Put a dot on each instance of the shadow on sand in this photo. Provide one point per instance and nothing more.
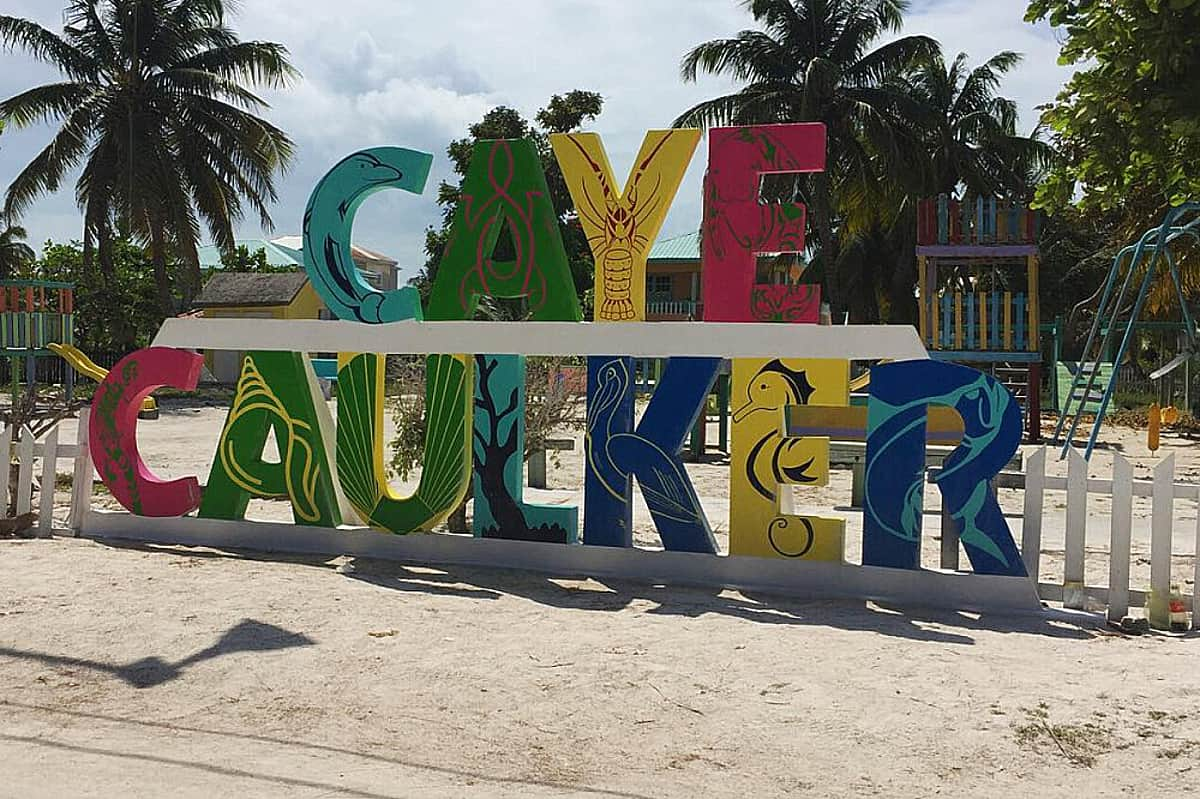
(147, 672)
(577, 592)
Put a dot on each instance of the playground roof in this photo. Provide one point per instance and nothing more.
(277, 255)
(678, 248)
(245, 289)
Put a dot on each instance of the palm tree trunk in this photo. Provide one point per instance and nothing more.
(192, 278)
(158, 256)
(822, 223)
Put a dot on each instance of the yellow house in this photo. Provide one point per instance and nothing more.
(254, 295)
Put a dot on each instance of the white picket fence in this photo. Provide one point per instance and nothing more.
(1122, 488)
(1073, 592)
(48, 451)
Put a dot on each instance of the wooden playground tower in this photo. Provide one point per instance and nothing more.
(33, 315)
(977, 265)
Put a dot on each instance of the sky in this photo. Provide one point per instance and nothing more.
(415, 74)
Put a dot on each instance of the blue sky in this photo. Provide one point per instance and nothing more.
(415, 74)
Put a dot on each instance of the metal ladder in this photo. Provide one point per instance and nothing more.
(1152, 250)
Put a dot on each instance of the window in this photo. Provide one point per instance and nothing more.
(658, 287)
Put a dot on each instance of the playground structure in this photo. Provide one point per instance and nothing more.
(34, 314)
(1114, 313)
(977, 271)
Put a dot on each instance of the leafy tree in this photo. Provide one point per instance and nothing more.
(812, 61)
(118, 315)
(1128, 121)
(242, 260)
(563, 114)
(15, 254)
(1127, 125)
(156, 106)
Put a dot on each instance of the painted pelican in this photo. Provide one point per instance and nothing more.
(665, 485)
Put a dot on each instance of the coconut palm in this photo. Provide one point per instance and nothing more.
(812, 61)
(154, 105)
(15, 254)
(965, 137)
(971, 131)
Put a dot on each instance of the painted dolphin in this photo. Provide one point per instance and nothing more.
(329, 221)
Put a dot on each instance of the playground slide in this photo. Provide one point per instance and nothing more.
(860, 382)
(81, 363)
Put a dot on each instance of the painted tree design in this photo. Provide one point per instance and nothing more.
(492, 455)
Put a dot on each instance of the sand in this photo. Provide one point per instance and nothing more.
(146, 671)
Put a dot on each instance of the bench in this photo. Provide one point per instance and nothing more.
(852, 455)
(537, 460)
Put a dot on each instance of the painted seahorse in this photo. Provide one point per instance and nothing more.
(329, 221)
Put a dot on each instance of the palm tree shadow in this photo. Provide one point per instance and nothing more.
(246, 636)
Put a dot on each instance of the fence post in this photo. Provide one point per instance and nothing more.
(1031, 524)
(950, 538)
(1161, 507)
(537, 468)
(81, 481)
(6, 459)
(25, 472)
(1118, 547)
(1196, 576)
(49, 473)
(1073, 576)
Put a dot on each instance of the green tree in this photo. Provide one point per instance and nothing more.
(156, 107)
(812, 61)
(1128, 121)
(242, 260)
(1127, 126)
(117, 315)
(563, 114)
(970, 131)
(15, 254)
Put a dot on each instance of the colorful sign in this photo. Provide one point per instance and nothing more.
(475, 400)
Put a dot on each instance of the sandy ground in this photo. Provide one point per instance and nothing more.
(145, 671)
(141, 672)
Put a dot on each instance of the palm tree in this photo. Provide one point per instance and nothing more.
(965, 137)
(154, 105)
(812, 62)
(15, 254)
(971, 131)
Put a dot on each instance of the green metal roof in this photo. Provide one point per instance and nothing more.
(678, 248)
(277, 255)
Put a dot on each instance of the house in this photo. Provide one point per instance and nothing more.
(254, 295)
(287, 251)
(277, 255)
(673, 280)
(377, 269)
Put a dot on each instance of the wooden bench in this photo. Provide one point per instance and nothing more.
(852, 455)
(537, 461)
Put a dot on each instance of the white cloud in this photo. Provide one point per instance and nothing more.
(415, 74)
